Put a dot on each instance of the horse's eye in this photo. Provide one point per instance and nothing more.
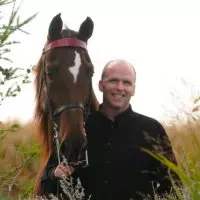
(91, 74)
(51, 73)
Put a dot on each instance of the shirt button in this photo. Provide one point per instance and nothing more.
(109, 144)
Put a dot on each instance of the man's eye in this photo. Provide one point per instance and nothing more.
(127, 83)
(113, 81)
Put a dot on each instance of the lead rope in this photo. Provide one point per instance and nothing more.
(88, 110)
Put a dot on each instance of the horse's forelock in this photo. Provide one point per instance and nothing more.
(68, 33)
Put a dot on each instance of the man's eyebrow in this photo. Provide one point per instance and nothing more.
(110, 78)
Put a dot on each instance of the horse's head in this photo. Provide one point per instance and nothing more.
(64, 91)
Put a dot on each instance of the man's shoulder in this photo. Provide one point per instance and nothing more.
(144, 118)
(148, 125)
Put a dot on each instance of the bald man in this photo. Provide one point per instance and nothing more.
(118, 168)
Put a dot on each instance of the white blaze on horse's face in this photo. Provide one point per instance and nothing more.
(75, 68)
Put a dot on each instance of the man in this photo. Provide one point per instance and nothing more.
(118, 167)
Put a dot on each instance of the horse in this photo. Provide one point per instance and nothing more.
(64, 92)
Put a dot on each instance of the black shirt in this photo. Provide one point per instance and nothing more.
(118, 168)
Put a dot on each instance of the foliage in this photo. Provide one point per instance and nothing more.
(184, 145)
(11, 80)
(12, 128)
(72, 189)
(19, 163)
(188, 168)
(14, 77)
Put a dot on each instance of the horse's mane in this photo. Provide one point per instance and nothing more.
(42, 120)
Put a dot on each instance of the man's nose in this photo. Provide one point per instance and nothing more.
(120, 85)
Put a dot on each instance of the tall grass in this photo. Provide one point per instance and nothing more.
(19, 156)
(185, 139)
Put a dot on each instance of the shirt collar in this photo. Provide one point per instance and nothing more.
(119, 116)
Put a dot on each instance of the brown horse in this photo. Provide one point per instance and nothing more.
(64, 93)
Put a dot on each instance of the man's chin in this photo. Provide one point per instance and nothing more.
(117, 106)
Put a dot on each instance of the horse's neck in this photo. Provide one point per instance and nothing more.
(94, 103)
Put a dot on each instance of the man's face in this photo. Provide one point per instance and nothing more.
(118, 85)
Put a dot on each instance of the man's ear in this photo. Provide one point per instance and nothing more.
(101, 85)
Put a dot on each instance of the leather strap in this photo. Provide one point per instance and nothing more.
(63, 42)
(68, 106)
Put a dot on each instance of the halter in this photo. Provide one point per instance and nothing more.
(67, 42)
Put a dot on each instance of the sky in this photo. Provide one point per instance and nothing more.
(161, 38)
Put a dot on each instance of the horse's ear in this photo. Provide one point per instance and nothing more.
(86, 29)
(55, 28)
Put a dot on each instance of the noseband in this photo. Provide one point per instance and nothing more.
(67, 42)
(68, 106)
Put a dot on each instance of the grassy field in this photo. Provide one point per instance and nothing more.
(20, 152)
(19, 156)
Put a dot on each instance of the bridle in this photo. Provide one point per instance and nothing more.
(66, 42)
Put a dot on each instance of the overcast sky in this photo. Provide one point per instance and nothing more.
(160, 38)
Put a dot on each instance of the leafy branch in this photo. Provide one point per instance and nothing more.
(3, 132)
(12, 77)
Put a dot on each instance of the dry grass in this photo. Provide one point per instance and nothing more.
(24, 135)
(185, 138)
(18, 164)
(183, 135)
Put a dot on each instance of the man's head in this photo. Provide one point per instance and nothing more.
(117, 84)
